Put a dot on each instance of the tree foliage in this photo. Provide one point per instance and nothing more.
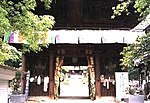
(136, 52)
(17, 15)
(141, 6)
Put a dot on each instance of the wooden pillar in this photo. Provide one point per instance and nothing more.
(51, 75)
(23, 70)
(91, 67)
(97, 77)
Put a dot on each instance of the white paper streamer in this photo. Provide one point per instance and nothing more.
(107, 82)
(39, 80)
(46, 81)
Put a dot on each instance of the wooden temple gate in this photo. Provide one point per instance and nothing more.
(99, 62)
(101, 49)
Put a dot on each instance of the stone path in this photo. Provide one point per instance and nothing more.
(47, 100)
(70, 101)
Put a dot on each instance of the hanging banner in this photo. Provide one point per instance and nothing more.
(91, 36)
(121, 84)
(51, 37)
(64, 36)
(81, 36)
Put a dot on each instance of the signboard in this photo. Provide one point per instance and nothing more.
(121, 84)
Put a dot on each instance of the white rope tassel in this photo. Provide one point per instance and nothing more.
(39, 80)
(46, 81)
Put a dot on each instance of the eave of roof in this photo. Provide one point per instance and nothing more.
(143, 24)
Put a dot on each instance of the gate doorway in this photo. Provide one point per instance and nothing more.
(74, 81)
(70, 78)
(69, 74)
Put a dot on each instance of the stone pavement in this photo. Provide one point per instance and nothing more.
(70, 100)
(47, 100)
